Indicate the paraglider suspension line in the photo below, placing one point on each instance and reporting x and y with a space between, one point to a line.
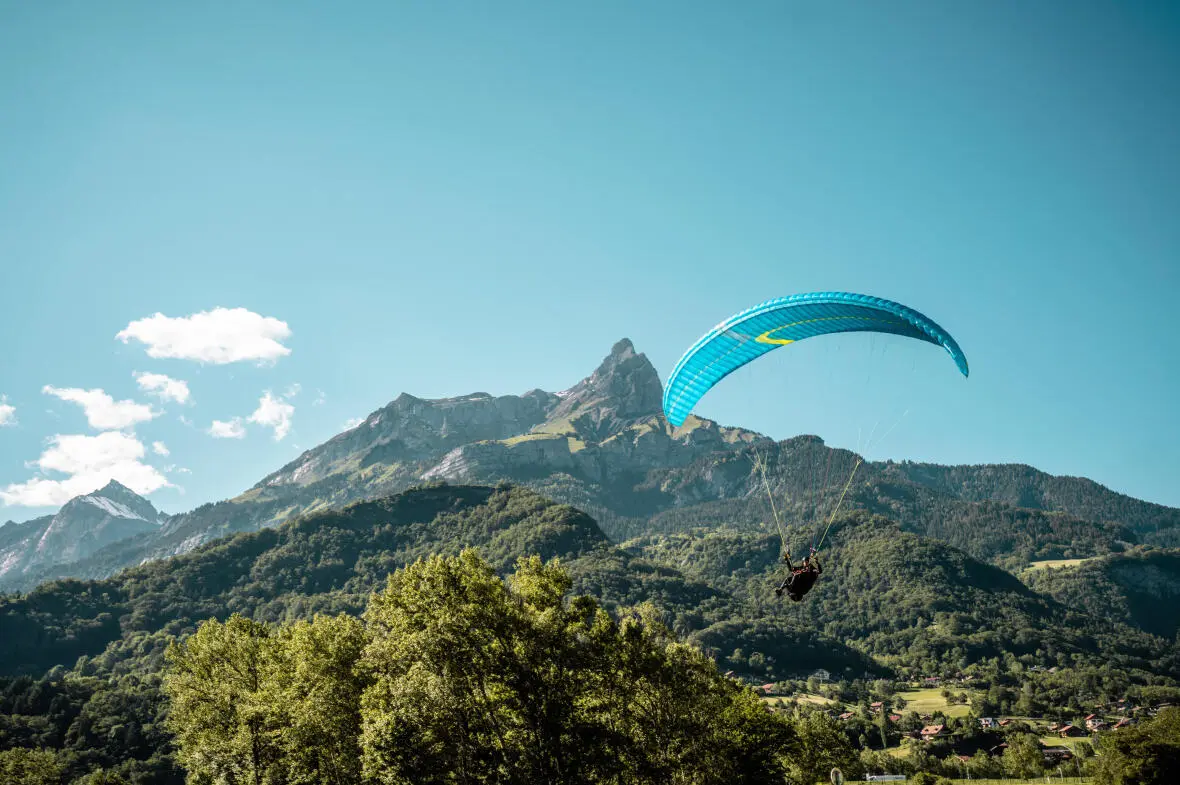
760 465
836 509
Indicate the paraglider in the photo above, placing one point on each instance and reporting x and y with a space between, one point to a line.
800 580
750 334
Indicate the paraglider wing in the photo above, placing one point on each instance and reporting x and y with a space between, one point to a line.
754 332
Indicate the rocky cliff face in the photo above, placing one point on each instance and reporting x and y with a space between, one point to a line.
85 524
609 424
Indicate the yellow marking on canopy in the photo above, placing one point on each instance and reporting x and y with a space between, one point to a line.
765 337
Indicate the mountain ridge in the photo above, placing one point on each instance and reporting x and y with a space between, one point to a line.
604 445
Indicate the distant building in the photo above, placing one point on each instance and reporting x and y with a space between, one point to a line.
847 715
822 675
1068 731
1055 754
876 706
987 722
933 732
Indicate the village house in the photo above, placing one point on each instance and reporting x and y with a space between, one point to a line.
847 715
876 707
1122 723
1056 754
822 675
895 718
987 722
933 732
1094 722
1068 731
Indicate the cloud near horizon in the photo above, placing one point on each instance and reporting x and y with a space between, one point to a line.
219 336
89 462
102 411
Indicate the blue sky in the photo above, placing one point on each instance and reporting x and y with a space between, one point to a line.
445 198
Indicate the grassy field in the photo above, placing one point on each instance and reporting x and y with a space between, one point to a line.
802 697
929 701
1057 741
1054 564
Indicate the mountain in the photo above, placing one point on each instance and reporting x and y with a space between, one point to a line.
888 599
84 525
1141 588
605 433
890 603
899 596
331 561
1023 486
605 447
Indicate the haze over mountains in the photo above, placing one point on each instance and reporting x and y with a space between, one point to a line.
604 446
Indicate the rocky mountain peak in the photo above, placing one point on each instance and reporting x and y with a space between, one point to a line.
116 500
623 389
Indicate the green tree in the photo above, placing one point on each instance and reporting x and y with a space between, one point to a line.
819 747
1145 754
479 681
100 777
21 766
318 690
222 714
1023 757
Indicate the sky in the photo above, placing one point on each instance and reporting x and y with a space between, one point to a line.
228 230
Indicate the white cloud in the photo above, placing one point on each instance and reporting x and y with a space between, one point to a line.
293 390
163 387
353 422
159 448
7 412
273 413
89 462
102 411
223 335
320 399
185 421
231 429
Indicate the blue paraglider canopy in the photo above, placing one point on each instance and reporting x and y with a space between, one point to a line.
752 333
